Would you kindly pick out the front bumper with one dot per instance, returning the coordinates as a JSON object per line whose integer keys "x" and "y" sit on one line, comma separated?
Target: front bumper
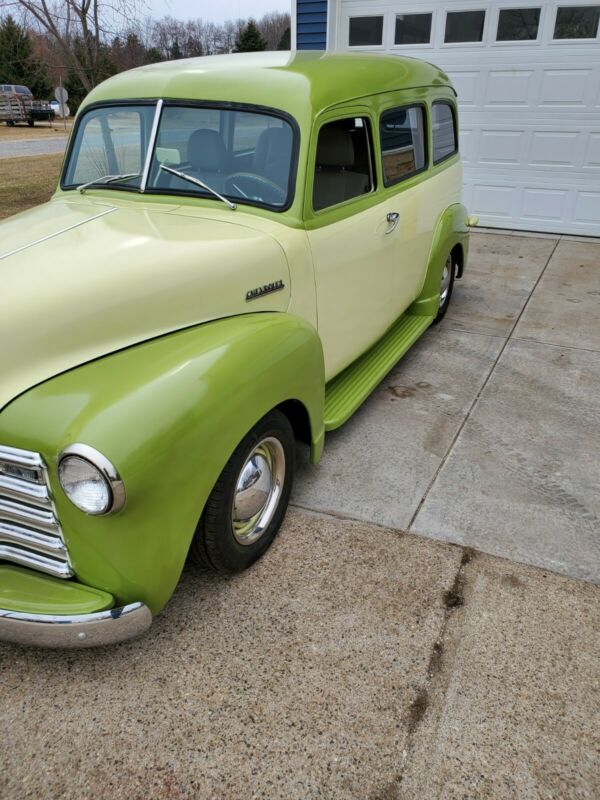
{"x": 77, "y": 630}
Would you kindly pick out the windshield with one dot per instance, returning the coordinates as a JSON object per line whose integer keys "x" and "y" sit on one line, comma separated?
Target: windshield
{"x": 245, "y": 156}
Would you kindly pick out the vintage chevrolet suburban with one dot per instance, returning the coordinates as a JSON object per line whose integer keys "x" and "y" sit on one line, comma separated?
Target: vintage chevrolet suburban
{"x": 241, "y": 247}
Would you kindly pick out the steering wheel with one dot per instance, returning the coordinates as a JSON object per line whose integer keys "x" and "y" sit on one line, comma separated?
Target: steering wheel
{"x": 234, "y": 184}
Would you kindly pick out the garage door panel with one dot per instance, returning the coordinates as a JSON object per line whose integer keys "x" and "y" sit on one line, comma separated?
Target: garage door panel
{"x": 466, "y": 83}
{"x": 592, "y": 152}
{"x": 501, "y": 147}
{"x": 494, "y": 201}
{"x": 509, "y": 88}
{"x": 544, "y": 205}
{"x": 565, "y": 87}
{"x": 587, "y": 209}
{"x": 554, "y": 149}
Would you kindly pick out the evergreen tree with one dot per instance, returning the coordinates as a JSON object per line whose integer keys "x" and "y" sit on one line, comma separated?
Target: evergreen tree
{"x": 249, "y": 39}
{"x": 285, "y": 41}
{"x": 17, "y": 61}
{"x": 175, "y": 52}
{"x": 153, "y": 56}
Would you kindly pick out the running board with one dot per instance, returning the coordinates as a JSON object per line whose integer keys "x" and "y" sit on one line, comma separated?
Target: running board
{"x": 348, "y": 390}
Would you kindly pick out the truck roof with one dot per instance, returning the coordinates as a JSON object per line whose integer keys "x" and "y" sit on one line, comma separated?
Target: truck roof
{"x": 302, "y": 83}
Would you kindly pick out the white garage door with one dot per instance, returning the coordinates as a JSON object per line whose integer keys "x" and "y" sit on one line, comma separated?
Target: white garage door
{"x": 528, "y": 83}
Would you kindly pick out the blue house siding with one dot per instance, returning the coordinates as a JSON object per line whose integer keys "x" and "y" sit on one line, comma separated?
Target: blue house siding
{"x": 311, "y": 24}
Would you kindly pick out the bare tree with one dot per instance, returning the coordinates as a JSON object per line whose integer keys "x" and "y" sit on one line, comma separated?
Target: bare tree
{"x": 272, "y": 27}
{"x": 80, "y": 29}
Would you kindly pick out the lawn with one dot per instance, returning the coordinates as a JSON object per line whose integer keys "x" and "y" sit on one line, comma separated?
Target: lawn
{"x": 27, "y": 181}
{"x": 41, "y": 130}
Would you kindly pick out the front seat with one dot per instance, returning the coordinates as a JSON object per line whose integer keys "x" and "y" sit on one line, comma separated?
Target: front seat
{"x": 207, "y": 156}
{"x": 334, "y": 179}
{"x": 273, "y": 155}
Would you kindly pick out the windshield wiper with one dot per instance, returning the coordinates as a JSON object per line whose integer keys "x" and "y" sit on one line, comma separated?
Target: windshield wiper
{"x": 104, "y": 179}
{"x": 200, "y": 183}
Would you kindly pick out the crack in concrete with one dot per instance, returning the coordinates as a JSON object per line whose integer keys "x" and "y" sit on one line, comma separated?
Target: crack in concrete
{"x": 453, "y": 598}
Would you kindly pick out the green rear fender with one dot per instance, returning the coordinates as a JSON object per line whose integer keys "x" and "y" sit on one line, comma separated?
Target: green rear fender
{"x": 168, "y": 413}
{"x": 451, "y": 231}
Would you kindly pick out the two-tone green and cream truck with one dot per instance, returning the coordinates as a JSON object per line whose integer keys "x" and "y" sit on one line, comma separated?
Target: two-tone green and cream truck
{"x": 240, "y": 248}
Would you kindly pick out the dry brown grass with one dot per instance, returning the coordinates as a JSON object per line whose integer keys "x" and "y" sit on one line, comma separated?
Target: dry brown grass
{"x": 27, "y": 181}
{"x": 40, "y": 130}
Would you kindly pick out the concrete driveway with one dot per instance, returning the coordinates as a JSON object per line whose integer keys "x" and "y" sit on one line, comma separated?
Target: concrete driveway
{"x": 356, "y": 660}
{"x": 488, "y": 432}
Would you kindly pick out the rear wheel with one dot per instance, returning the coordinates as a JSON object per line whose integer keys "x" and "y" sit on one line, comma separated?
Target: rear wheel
{"x": 446, "y": 287}
{"x": 248, "y": 503}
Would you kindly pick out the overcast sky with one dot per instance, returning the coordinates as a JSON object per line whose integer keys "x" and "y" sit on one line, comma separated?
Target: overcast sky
{"x": 215, "y": 10}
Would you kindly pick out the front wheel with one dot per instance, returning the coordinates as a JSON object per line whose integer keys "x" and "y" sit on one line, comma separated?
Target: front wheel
{"x": 248, "y": 503}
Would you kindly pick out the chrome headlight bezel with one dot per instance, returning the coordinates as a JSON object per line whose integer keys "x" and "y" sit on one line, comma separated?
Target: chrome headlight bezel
{"x": 107, "y": 471}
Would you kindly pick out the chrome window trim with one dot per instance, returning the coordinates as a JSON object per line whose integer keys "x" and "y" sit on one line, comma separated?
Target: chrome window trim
{"x": 151, "y": 143}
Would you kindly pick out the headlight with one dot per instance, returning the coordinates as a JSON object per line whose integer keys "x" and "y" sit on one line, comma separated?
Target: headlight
{"x": 90, "y": 481}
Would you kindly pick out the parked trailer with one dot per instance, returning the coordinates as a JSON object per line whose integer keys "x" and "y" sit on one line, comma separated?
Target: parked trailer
{"x": 15, "y": 108}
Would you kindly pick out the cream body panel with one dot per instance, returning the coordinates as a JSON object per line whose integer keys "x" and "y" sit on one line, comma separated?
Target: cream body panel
{"x": 293, "y": 243}
{"x": 420, "y": 208}
{"x": 353, "y": 261}
{"x": 94, "y": 277}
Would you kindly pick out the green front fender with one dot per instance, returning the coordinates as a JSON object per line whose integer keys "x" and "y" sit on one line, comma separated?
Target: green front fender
{"x": 168, "y": 413}
{"x": 451, "y": 231}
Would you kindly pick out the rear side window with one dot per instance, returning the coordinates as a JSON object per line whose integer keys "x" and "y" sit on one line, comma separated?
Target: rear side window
{"x": 402, "y": 134}
{"x": 443, "y": 131}
{"x": 343, "y": 165}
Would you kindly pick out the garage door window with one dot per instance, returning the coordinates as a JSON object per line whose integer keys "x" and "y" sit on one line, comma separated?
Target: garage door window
{"x": 443, "y": 131}
{"x": 413, "y": 29}
{"x": 365, "y": 31}
{"x": 402, "y": 133}
{"x": 464, "y": 26}
{"x": 343, "y": 165}
{"x": 518, "y": 24}
{"x": 577, "y": 22}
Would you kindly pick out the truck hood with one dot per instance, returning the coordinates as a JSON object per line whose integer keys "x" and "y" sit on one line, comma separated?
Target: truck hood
{"x": 81, "y": 279}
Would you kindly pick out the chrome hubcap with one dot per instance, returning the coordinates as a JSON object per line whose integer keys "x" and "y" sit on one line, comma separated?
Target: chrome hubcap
{"x": 445, "y": 284}
{"x": 258, "y": 491}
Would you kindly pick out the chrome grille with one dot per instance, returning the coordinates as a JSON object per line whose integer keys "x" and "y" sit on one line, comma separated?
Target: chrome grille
{"x": 30, "y": 533}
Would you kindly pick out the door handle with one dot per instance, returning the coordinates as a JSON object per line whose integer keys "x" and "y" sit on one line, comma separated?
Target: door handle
{"x": 393, "y": 219}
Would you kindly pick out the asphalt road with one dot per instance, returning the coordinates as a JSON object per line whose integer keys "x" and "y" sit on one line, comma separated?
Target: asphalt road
{"x": 32, "y": 147}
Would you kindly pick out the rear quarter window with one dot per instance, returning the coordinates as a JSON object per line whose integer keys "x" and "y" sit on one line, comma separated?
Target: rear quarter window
{"x": 403, "y": 143}
{"x": 443, "y": 131}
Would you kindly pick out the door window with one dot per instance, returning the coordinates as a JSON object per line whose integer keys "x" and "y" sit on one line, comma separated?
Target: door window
{"x": 443, "y": 131}
{"x": 343, "y": 165}
{"x": 402, "y": 134}
{"x": 464, "y": 26}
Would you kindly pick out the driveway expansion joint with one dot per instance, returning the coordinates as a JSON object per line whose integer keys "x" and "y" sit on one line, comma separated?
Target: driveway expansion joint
{"x": 486, "y": 380}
